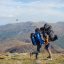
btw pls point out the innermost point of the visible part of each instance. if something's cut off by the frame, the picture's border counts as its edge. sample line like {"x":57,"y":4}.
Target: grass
{"x":24,"y":58}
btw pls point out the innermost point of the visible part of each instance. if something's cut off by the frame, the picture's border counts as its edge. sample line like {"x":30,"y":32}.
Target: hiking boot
{"x":49,"y":58}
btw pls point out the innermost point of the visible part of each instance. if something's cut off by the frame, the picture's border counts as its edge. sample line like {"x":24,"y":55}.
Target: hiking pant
{"x":38,"y":51}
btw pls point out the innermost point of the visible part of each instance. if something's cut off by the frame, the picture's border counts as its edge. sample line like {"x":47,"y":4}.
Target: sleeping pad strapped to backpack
{"x":36,"y":38}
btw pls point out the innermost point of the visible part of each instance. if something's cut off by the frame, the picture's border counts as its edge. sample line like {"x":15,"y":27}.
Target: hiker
{"x":47,"y":45}
{"x":38,"y":41}
{"x":49,"y":36}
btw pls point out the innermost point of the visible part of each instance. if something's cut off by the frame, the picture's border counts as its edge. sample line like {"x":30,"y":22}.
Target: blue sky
{"x":31,"y":10}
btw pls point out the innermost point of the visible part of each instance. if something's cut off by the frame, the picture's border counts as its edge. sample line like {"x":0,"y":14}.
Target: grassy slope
{"x":24,"y":58}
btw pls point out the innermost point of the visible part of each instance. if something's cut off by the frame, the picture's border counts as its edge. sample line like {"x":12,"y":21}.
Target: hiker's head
{"x":42,"y":29}
{"x":37,"y":30}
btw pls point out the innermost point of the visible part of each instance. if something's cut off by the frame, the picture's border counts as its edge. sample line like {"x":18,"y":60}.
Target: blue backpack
{"x":33,"y":39}
{"x":36,"y":38}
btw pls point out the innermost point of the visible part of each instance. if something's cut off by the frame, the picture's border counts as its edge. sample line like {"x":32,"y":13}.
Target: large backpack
{"x":32,"y":36}
{"x":36,"y":39}
{"x":48,"y":30}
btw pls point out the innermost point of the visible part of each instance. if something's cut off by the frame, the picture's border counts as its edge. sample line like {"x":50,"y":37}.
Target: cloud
{"x":44,"y":10}
{"x":48,"y":10}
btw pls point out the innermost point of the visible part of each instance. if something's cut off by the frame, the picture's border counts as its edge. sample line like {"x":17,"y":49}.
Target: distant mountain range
{"x":13,"y":34}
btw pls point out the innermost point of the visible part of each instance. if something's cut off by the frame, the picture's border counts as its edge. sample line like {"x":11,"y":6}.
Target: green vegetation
{"x":24,"y":58}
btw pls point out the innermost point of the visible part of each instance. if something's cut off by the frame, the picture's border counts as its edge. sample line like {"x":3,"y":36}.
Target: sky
{"x":12,"y":11}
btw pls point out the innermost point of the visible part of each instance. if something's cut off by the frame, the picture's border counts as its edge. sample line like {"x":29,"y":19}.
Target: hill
{"x":13,"y":35}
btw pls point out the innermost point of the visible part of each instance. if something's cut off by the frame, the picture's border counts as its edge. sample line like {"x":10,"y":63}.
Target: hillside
{"x":13,"y":35}
{"x":24,"y":58}
{"x":22,"y":30}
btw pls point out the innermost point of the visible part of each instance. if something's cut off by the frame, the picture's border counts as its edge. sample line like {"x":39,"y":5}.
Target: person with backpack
{"x":37,"y":41}
{"x":49,"y":36}
{"x":47,"y":46}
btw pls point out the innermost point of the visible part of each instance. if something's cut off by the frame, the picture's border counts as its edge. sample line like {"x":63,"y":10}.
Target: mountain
{"x":12,"y":35}
{"x":13,"y":30}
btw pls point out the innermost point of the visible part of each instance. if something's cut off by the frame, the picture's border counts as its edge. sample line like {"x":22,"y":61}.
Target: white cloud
{"x":43,"y":9}
{"x":36,"y":10}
